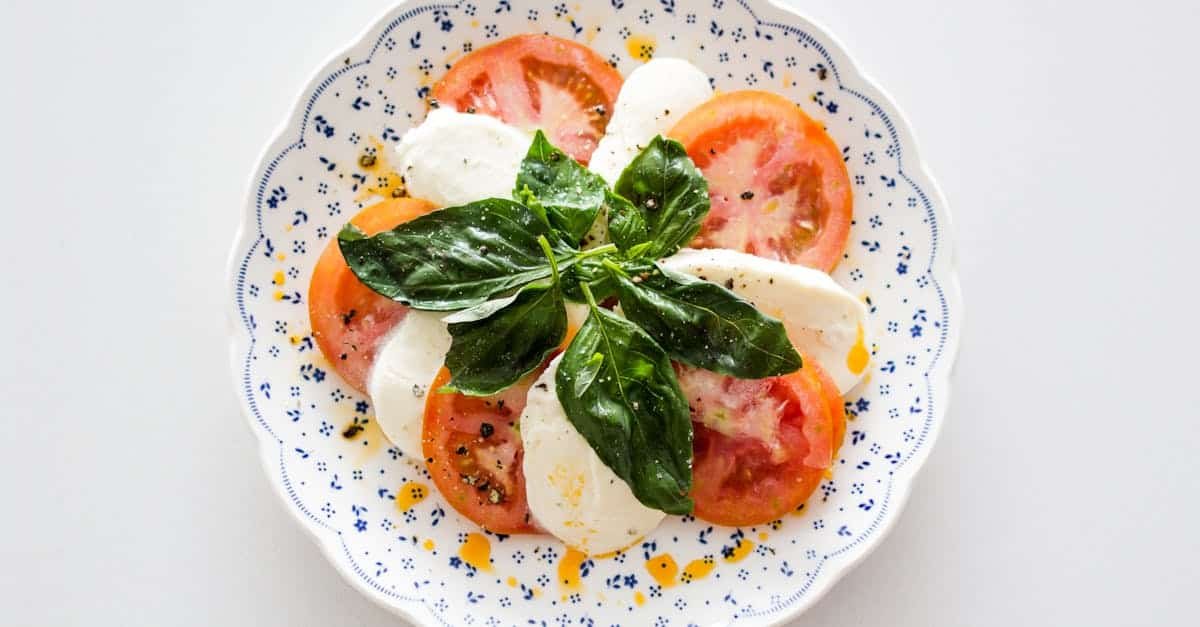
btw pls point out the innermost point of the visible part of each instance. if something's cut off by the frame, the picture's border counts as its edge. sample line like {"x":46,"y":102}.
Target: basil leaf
{"x":492,"y":353}
{"x":589,"y":271}
{"x":454,"y":258}
{"x":593,"y":272}
{"x":481,"y":311}
{"x":553,"y":182}
{"x":588,"y":373}
{"x":619,"y":389}
{"x":707,"y":326}
{"x":667,"y":192}
{"x":626,"y":226}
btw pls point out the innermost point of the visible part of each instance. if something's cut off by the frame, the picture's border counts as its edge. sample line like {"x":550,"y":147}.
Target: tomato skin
{"x":837,"y":406}
{"x":537,"y":81}
{"x":454,"y":420}
{"x":479,"y":476}
{"x":741,"y":480}
{"x":778,"y":183}
{"x":348,"y":319}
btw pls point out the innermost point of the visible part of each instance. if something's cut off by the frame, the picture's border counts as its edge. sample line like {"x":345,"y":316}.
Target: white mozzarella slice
{"x":455,"y":158}
{"x":571,"y":493}
{"x":405,"y":364}
{"x":653,"y":98}
{"x":823,"y":320}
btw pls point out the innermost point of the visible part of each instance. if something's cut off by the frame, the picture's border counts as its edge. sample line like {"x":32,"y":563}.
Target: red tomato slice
{"x":761,"y":445}
{"x":778,"y":184}
{"x":347,"y":318}
{"x":537,"y":81}
{"x":474,"y":454}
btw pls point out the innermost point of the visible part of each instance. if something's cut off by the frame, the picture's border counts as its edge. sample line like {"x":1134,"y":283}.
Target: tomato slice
{"x":474,"y":454}
{"x":761,"y":445}
{"x":777,"y":181}
{"x":348,"y":319}
{"x":537,"y":81}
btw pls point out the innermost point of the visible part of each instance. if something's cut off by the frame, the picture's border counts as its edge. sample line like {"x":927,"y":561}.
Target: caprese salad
{"x":598,"y":301}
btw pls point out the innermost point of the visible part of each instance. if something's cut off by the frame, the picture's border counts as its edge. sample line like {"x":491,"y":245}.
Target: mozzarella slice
{"x":653,"y":98}
{"x":405,"y":365}
{"x":571,"y":493}
{"x":823,"y":320}
{"x":455,"y":158}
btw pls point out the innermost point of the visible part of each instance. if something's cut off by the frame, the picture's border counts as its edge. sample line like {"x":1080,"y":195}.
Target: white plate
{"x":351,"y":493}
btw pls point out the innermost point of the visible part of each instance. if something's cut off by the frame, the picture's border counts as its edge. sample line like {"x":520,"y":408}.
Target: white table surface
{"x":1063,"y":490}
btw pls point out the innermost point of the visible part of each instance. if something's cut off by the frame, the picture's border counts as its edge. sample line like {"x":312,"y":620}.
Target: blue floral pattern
{"x":368,"y":505}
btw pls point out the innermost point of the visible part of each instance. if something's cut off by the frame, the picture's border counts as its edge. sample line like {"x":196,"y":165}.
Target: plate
{"x":374,"y":513}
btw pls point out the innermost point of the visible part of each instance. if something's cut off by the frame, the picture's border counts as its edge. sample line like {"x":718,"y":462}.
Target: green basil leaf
{"x":619,"y":389}
{"x":569,"y":193}
{"x":588,"y":373}
{"x":707,"y":326}
{"x":589,"y":271}
{"x":481,"y":311}
{"x":626,"y":226}
{"x":490,"y":354}
{"x":639,"y":251}
{"x":670,"y":195}
{"x":526,"y":197}
{"x":454,"y":258}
